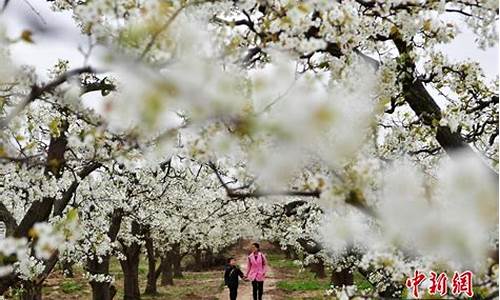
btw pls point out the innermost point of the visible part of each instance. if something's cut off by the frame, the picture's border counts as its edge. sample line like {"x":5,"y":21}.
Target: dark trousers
{"x":258,"y":289}
{"x":233,"y":292}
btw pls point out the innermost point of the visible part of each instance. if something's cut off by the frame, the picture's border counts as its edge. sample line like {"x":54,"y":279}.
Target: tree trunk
{"x":343,"y":277}
{"x":130,"y":267}
{"x":151,"y":277}
{"x":290,"y":253}
{"x":31,"y":291}
{"x":318,"y":269}
{"x":197,"y":260}
{"x":67,"y":269}
{"x":167,"y":275}
{"x":105,"y":290}
{"x":101,"y":290}
{"x":176,"y":261}
{"x":6,"y":282}
{"x":207,"y":259}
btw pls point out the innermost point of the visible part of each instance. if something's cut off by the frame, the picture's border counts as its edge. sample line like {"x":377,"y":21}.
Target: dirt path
{"x":245,"y":287}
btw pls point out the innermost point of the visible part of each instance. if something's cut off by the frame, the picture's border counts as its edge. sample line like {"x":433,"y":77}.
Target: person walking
{"x":256,"y":271}
{"x":231,"y":277}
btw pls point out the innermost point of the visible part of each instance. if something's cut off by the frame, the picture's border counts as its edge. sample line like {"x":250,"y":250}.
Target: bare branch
{"x":234,"y":193}
{"x":102,"y":86}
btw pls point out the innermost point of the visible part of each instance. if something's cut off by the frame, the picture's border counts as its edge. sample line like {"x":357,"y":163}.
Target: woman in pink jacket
{"x":256,"y":271}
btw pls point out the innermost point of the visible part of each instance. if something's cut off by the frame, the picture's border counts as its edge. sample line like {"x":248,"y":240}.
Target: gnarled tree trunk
{"x":31,"y":291}
{"x":176,"y":261}
{"x":105,"y":290}
{"x":68,"y":269}
{"x":197,"y":260}
{"x":343,"y":277}
{"x":318,"y":268}
{"x":101,"y":290}
{"x":130,"y":267}
{"x":151,"y":277}
{"x":167,"y":274}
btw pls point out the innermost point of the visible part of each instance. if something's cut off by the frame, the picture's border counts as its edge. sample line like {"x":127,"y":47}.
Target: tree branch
{"x":8,"y":219}
{"x":37,"y":91}
{"x":421,"y":102}
{"x":102,"y":86}
{"x":60,"y":205}
{"x":234,"y":193}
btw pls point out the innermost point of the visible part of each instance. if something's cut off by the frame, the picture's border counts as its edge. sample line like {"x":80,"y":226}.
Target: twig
{"x":234,"y":193}
{"x":160,"y":30}
{"x":34,"y":10}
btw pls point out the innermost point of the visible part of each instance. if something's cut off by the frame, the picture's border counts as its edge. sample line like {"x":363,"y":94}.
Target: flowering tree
{"x":339,"y":126}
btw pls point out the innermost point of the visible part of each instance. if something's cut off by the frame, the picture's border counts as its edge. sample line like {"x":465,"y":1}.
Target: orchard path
{"x":245,"y":287}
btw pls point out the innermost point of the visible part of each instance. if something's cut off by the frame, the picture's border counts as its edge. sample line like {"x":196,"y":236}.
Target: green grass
{"x":304,"y":281}
{"x":300,"y":285}
{"x":279,"y":261}
{"x":143,"y":267}
{"x":70,"y":287}
{"x":361,"y":281}
{"x":294,"y":282}
{"x":194,"y":285}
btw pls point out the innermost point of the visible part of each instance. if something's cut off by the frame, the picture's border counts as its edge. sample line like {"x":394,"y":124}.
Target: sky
{"x":65,"y":39}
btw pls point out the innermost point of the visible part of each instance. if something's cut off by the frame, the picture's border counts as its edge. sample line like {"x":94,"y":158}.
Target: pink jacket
{"x":256,"y":267}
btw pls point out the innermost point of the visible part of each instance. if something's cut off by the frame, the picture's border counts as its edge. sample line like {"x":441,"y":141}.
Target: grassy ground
{"x":292,"y":283}
{"x":298,"y":283}
{"x":194,"y":285}
{"x":295,"y":282}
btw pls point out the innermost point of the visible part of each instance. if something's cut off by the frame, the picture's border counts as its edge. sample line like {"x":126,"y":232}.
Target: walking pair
{"x":256,"y":273}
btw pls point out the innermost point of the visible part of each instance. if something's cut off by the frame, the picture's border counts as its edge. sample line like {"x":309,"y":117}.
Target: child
{"x":231,"y":277}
